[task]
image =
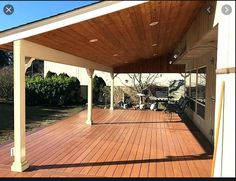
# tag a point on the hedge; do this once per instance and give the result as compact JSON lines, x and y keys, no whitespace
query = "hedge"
{"x":6,"y":83}
{"x":53,"y":90}
{"x":98,"y":84}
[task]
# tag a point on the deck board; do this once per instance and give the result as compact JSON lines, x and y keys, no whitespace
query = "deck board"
{"x":121,"y":143}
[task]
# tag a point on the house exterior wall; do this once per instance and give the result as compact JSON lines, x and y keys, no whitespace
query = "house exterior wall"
{"x":206,"y":125}
{"x":224,"y":58}
{"x":225,"y":155}
{"x":200,"y":27}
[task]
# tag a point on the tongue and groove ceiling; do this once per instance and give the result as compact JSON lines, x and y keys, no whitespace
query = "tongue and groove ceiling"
{"x":125,"y":36}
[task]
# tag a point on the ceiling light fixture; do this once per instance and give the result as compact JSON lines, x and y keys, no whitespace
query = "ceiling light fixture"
{"x":115,"y":55}
{"x":153,"y":23}
{"x":170,"y":62}
{"x":175,"y":56}
{"x":155,"y":54}
{"x":93,"y":40}
{"x":154,"y":44}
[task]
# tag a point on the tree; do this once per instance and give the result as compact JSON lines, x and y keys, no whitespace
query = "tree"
{"x":141,"y":82}
{"x":50,"y":74}
{"x":37,"y":67}
{"x":175,"y":85}
{"x":98,"y":84}
{"x":6,"y":83}
{"x":6,"y":58}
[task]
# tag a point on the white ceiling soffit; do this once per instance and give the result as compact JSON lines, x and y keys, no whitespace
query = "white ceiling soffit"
{"x":66,"y":19}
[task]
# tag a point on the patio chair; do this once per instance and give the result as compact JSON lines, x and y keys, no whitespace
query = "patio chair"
{"x":175,"y":105}
{"x":177,"y":108}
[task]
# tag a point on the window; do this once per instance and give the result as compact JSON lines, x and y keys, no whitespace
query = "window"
{"x":193,"y":89}
{"x":201,"y":110}
{"x":201,"y":91}
{"x":187,"y":84}
{"x":196,"y":90}
{"x":201,"y":85}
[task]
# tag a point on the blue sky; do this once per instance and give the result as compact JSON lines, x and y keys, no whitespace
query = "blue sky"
{"x":28,"y":11}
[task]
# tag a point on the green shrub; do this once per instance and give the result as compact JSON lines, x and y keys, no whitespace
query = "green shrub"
{"x":53,"y":90}
{"x":98,"y":84}
{"x":6,"y":83}
{"x":50,"y":74}
{"x":64,"y":75}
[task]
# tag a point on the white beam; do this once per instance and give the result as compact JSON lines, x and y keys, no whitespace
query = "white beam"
{"x":38,"y":51}
{"x":20,"y":164}
{"x":66,"y":19}
{"x":28,"y":62}
{"x":89,"y":120}
{"x":112,"y":92}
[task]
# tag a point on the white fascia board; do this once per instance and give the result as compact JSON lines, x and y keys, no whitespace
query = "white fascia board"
{"x":66,"y":19}
{"x":37,"y":51}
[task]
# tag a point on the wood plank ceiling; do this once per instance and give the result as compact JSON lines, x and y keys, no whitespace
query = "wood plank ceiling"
{"x":126,"y":36}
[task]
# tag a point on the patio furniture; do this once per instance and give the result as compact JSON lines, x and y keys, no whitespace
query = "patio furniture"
{"x":140,"y":99}
{"x":153,"y":106}
{"x":164,"y":101}
{"x":177,"y":108}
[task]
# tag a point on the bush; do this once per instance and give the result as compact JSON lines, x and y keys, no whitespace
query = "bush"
{"x":50,"y":74}
{"x":63,"y":75}
{"x":98,"y":84}
{"x":6,"y":83}
{"x":53,"y":90}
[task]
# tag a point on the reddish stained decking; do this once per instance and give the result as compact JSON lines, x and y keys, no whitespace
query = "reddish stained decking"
{"x":120,"y":144}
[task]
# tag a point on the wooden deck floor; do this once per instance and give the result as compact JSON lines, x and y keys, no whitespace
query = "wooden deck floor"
{"x":119,"y":144}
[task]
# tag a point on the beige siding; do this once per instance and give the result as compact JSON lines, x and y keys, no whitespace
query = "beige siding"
{"x":197,"y":35}
{"x":202,"y":24}
{"x":209,"y":61}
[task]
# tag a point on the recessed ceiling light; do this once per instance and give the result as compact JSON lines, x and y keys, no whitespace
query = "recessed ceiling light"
{"x":170,"y":62}
{"x":175,"y":56}
{"x":153,"y":23}
{"x":93,"y":40}
{"x":154,"y":44}
{"x":115,"y":55}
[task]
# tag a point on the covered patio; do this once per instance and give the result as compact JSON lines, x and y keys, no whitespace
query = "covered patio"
{"x":123,"y":37}
{"x":119,"y":144}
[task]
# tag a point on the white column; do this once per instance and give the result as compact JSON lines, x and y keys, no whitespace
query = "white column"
{"x":112,"y":92}
{"x":90,"y":96}
{"x":20,"y":164}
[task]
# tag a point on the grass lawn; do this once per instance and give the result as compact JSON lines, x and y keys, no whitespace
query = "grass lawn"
{"x":36,"y":117}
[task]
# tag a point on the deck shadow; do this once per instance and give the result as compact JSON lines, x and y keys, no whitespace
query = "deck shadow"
{"x":137,"y":122}
{"x":203,"y":156}
{"x":202,"y":140}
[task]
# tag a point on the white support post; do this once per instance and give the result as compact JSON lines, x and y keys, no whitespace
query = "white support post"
{"x":90,"y":96}
{"x":225,"y":147}
{"x":112,"y":92}
{"x":20,"y":164}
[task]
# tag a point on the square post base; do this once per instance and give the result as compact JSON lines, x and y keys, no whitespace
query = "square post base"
{"x":19,"y":167}
{"x":89,"y":122}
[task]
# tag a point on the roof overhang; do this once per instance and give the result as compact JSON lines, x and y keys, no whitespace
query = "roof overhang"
{"x":203,"y":46}
{"x":126,"y":39}
{"x":65,"y":19}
